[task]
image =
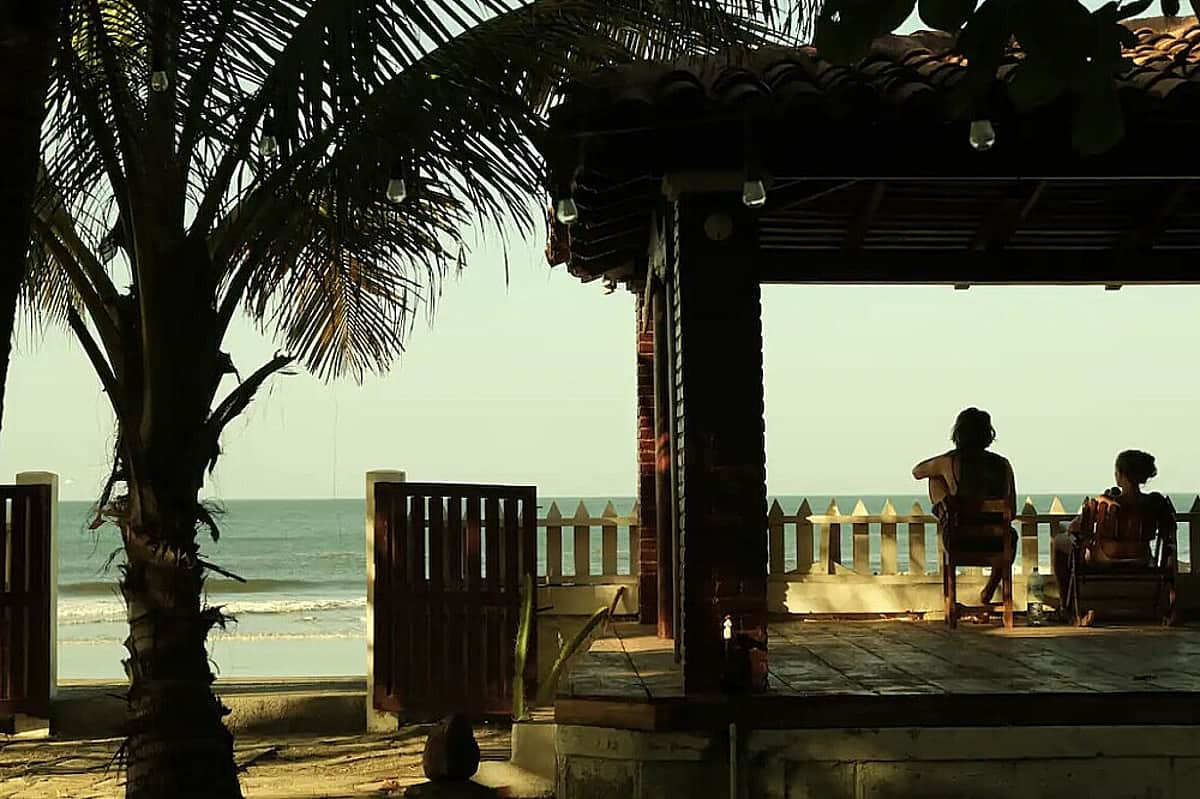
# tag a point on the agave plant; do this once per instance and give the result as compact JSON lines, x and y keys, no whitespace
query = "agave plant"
{"x":313,"y":164}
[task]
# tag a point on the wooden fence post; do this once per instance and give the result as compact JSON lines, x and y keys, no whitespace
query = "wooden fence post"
{"x":862,"y":539}
{"x":1194,"y":539}
{"x":775,"y":539}
{"x":554,"y":554}
{"x":887,"y":539}
{"x":377,"y":720}
{"x":917,"y":564}
{"x":583,"y":542}
{"x":804,"y":538}
{"x":608,"y":540}
{"x":831,"y":540}
{"x":1029,"y":537}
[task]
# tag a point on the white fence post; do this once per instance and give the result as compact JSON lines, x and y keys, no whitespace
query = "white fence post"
{"x":377,"y":721}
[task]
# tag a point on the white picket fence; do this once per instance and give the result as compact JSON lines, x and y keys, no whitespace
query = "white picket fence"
{"x":609,"y":540}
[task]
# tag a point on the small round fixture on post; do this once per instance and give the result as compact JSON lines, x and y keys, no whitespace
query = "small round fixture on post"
{"x":727,"y":629}
{"x":983,"y":135}
{"x":397,"y":190}
{"x":754,"y":193}
{"x":267,"y":145}
{"x":566,"y":211}
{"x":159,"y":81}
{"x":107,"y":250}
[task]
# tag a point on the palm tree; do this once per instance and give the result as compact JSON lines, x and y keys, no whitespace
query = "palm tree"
{"x":313,"y":163}
{"x":27,"y":36}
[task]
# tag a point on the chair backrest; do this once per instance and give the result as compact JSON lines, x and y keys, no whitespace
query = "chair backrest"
{"x":1115,"y":533}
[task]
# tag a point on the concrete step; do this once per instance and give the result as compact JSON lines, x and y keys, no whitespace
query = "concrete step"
{"x":516,"y":782}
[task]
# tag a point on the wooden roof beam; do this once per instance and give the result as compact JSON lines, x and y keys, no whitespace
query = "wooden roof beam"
{"x":857,"y":230}
{"x":1007,"y":218}
{"x":1140,"y":238}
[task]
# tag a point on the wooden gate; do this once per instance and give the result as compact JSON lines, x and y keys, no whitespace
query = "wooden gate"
{"x":25,"y":600}
{"x":449,"y":563}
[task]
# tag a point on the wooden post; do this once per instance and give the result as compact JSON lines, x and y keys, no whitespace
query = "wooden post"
{"x":804,"y":538}
{"x":917,"y":564}
{"x":722,"y":486}
{"x":647,"y":482}
{"x":377,"y":720}
{"x":862,"y":539}
{"x":831,"y":540}
{"x":583,"y":543}
{"x":887,"y":540}
{"x":1029,"y":537}
{"x":663,"y":453}
{"x":1194,"y":539}
{"x":775,"y":526}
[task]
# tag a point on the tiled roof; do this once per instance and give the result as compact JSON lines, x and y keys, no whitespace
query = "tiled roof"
{"x":895,"y":116}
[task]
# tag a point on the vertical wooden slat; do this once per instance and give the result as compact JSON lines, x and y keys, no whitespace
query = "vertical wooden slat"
{"x":491,"y":544}
{"x":862,"y":539}
{"x":511,"y":544}
{"x":453,"y":542}
{"x":583,"y":543}
{"x":382,"y":651}
{"x":435,"y":602}
{"x":775,"y":563}
{"x":887,"y":540}
{"x":6,"y":612}
{"x":831,"y":540}
{"x":1194,"y":538}
{"x":804,"y":539}
{"x":473,"y":546}
{"x":1029,"y":537}
{"x":414,"y":634}
{"x":608,"y":541}
{"x":414,"y":537}
{"x":529,"y":565}
{"x":39,"y":522}
{"x":398,"y":618}
{"x":554,"y":553}
{"x":917,"y":564}
{"x":20,"y":584}
{"x":472,"y":633}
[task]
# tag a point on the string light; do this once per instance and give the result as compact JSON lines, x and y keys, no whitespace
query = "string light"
{"x":397,"y":190}
{"x":566,"y":211}
{"x":754,"y":193}
{"x":983,"y":135}
{"x":267,"y":145}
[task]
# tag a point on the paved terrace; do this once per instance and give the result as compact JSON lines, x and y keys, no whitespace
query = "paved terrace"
{"x":903,"y":673}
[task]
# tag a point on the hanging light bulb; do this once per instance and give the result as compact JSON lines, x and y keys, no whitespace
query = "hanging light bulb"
{"x":107,"y":250}
{"x":983,"y":135}
{"x":159,"y":81}
{"x":397,"y":191}
{"x":754,"y":193}
{"x":566,"y":211}
{"x":267,"y":145}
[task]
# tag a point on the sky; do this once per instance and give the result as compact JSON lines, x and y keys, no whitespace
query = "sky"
{"x":533,"y":382}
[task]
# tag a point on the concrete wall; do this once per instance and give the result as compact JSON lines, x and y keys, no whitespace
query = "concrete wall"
{"x":1157,"y":762}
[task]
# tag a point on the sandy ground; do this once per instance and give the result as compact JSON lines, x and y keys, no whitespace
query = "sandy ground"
{"x":299,"y":767}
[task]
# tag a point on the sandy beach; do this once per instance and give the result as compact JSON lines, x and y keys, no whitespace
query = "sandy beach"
{"x":295,"y":767}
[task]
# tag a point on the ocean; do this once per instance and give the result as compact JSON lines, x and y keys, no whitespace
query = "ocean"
{"x":302,"y":611}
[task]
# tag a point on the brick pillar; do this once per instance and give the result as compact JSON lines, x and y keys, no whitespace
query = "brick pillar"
{"x":647,"y":543}
{"x":722,"y":467}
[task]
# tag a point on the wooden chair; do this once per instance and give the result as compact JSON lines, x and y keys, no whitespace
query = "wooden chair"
{"x":1121,"y":566}
{"x":975,"y":533}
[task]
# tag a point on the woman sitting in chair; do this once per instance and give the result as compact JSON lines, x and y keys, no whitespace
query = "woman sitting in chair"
{"x":1142,"y":518}
{"x":972,"y":489}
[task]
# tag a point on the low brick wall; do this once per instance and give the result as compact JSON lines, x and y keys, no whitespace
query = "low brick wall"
{"x":930,"y":763}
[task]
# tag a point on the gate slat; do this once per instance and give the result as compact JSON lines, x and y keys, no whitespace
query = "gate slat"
{"x":399,"y":514}
{"x":416,"y":632}
{"x":40,"y":610}
{"x":472,"y":637}
{"x":454,"y":543}
{"x":6,"y":647}
{"x":491,"y":564}
{"x":384,"y":663}
{"x":511,"y":544}
{"x":474,"y":571}
{"x":19,"y":672}
{"x":435,"y":606}
{"x":495,"y":577}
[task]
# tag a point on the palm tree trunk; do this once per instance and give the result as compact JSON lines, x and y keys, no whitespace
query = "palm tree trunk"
{"x":177,"y":744}
{"x":27,"y":36}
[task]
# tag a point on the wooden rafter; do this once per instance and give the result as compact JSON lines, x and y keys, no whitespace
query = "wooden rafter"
{"x":1008,"y":217}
